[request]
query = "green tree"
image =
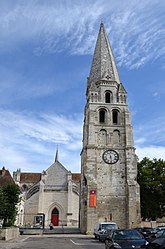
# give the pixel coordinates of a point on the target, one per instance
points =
(151, 178)
(9, 197)
(2, 204)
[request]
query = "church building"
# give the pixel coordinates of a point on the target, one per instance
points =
(48, 197)
(109, 188)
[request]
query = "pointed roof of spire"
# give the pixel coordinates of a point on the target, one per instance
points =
(121, 88)
(103, 64)
(56, 156)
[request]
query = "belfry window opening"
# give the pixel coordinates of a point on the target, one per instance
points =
(108, 97)
(102, 116)
(115, 116)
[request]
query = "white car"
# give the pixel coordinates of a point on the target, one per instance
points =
(102, 226)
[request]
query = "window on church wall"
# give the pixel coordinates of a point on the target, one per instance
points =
(55, 211)
(121, 98)
(24, 187)
(92, 97)
(115, 117)
(108, 97)
(96, 97)
(102, 116)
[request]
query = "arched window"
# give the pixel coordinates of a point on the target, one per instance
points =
(24, 187)
(92, 97)
(55, 211)
(116, 137)
(121, 98)
(103, 137)
(108, 97)
(102, 116)
(115, 116)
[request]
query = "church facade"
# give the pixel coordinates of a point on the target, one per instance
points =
(109, 189)
(50, 197)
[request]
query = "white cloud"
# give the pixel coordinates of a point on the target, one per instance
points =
(151, 132)
(155, 94)
(158, 91)
(136, 27)
(151, 152)
(29, 138)
(140, 140)
(150, 139)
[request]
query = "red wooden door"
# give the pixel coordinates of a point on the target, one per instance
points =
(55, 219)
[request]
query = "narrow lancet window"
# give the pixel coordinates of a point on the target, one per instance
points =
(108, 97)
(102, 116)
(115, 116)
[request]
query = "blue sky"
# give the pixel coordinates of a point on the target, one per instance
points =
(46, 49)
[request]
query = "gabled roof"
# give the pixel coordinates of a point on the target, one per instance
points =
(121, 88)
(55, 165)
(5, 177)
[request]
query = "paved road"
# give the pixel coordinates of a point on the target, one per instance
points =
(54, 242)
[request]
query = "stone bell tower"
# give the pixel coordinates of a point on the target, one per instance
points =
(109, 189)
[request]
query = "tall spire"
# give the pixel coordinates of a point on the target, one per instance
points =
(103, 64)
(56, 156)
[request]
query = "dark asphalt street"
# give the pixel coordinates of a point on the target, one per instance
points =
(54, 242)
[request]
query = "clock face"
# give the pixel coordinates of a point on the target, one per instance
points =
(110, 156)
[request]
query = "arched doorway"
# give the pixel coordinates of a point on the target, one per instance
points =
(55, 217)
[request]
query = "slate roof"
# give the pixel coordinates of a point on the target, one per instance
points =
(103, 64)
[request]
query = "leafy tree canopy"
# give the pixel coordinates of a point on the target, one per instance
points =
(151, 178)
(9, 197)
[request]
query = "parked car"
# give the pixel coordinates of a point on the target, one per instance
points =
(160, 227)
(125, 239)
(104, 234)
(158, 243)
(160, 232)
(147, 232)
(101, 226)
